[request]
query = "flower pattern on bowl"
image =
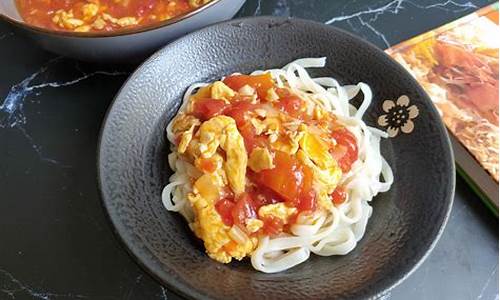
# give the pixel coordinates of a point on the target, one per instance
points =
(399, 116)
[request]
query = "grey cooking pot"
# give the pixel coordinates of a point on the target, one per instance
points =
(122, 46)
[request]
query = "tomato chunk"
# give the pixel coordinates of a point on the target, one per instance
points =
(307, 201)
(206, 108)
(237, 111)
(272, 226)
(225, 208)
(307, 198)
(243, 209)
(292, 105)
(346, 150)
(339, 195)
(262, 83)
(285, 179)
(251, 139)
(263, 195)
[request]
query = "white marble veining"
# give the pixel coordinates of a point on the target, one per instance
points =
(163, 295)
(12, 108)
(11, 286)
(368, 16)
(493, 275)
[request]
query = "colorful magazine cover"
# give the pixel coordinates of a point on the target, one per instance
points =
(457, 64)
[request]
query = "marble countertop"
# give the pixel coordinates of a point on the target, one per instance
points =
(55, 242)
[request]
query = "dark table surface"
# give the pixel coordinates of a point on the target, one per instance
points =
(55, 242)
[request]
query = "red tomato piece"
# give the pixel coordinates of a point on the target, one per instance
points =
(307, 201)
(225, 208)
(206, 108)
(262, 83)
(292, 105)
(285, 179)
(263, 195)
(243, 209)
(339, 195)
(250, 138)
(237, 111)
(346, 150)
(272, 226)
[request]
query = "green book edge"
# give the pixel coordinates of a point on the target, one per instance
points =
(484, 198)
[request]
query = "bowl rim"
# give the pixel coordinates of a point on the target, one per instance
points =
(180, 288)
(114, 33)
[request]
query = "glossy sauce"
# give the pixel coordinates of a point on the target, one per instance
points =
(289, 182)
(101, 15)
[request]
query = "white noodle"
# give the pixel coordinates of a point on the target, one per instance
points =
(337, 231)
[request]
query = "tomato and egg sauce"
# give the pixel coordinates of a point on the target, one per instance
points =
(265, 157)
(101, 15)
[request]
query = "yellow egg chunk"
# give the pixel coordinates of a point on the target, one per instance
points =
(324, 179)
(221, 91)
(208, 187)
(316, 150)
(277, 210)
(260, 159)
(217, 237)
(208, 226)
(253, 225)
(203, 92)
(183, 122)
(186, 137)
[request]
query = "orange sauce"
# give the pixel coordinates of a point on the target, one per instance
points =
(101, 15)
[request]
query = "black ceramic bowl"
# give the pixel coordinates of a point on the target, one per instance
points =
(406, 221)
(121, 46)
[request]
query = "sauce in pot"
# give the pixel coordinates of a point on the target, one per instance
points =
(101, 15)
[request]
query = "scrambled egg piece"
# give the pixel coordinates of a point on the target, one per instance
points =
(203, 92)
(277, 210)
(186, 137)
(325, 180)
(270, 125)
(222, 242)
(253, 225)
(260, 159)
(183, 122)
(316, 150)
(290, 142)
(220, 90)
(208, 186)
(99, 23)
(183, 127)
(314, 153)
(127, 21)
(216, 90)
(222, 131)
(66, 19)
(208, 226)
(89, 11)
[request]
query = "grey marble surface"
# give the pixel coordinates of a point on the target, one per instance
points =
(55, 242)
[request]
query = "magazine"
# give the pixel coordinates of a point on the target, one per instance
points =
(457, 64)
